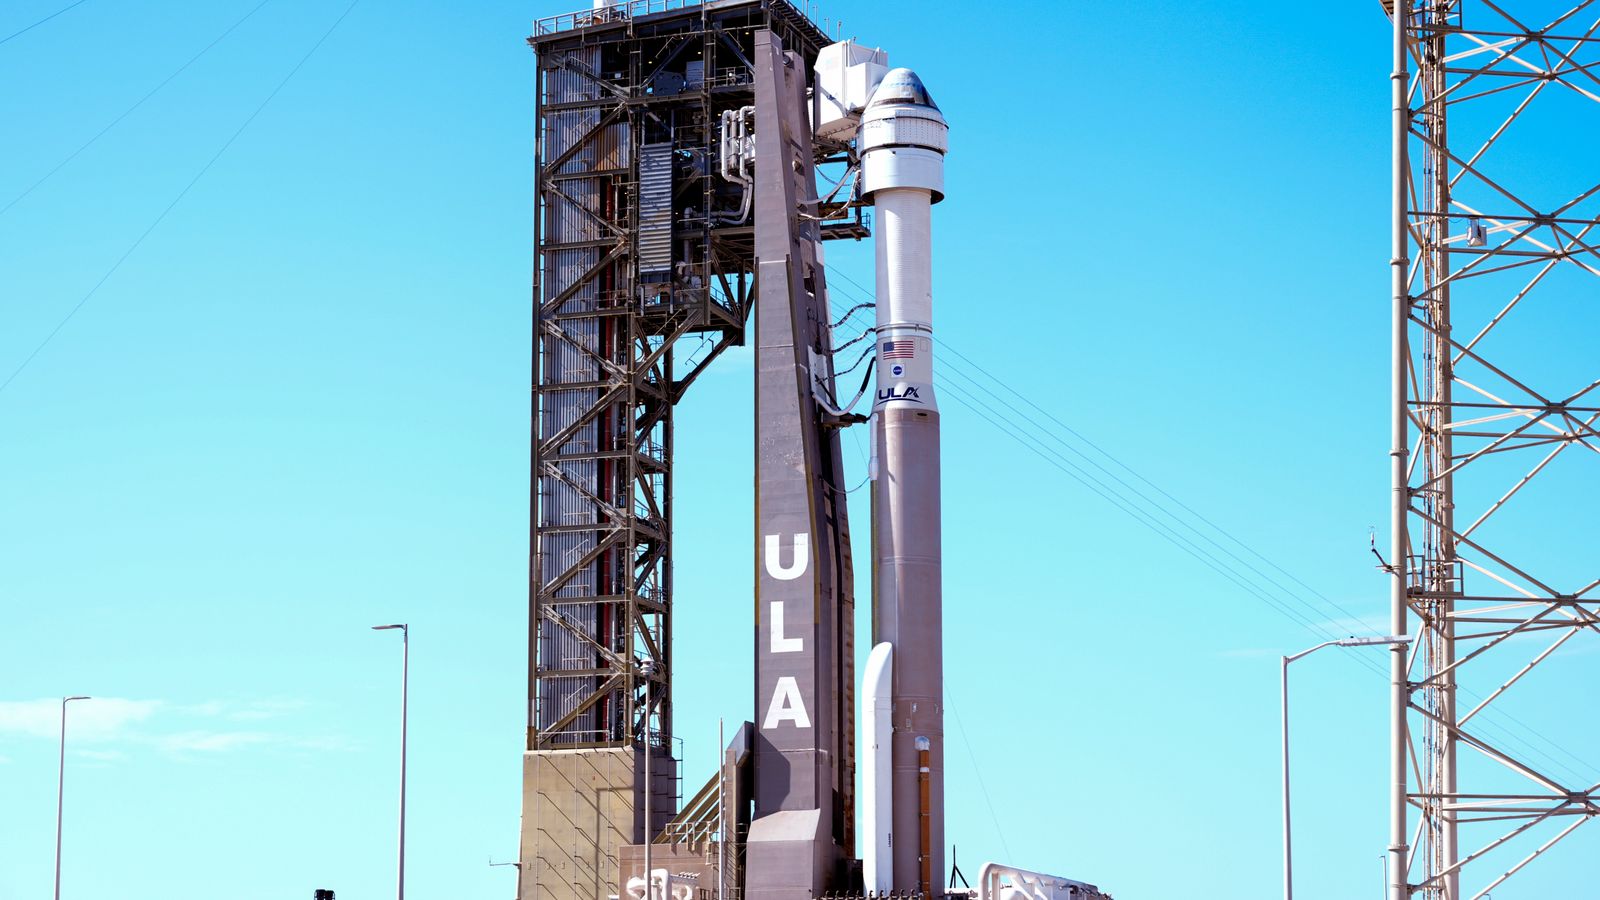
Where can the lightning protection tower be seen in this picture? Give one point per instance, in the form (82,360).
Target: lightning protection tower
(1496,107)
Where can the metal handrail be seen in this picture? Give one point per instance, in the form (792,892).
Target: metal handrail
(633,9)
(616,12)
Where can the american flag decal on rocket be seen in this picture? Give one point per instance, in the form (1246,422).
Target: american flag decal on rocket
(898,350)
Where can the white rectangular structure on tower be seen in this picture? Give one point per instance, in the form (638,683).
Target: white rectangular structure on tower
(847,74)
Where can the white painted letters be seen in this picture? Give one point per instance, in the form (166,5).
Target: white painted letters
(786,705)
(781,644)
(797,566)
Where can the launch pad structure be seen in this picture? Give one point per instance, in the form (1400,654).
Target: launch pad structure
(634,254)
(646,234)
(1494,412)
(678,142)
(677,175)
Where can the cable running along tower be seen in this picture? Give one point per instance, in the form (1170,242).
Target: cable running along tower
(1496,395)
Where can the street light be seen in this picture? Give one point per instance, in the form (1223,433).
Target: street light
(405,666)
(61,786)
(648,670)
(1395,640)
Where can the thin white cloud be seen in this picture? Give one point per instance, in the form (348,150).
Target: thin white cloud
(212,741)
(1374,623)
(257,710)
(171,728)
(1578,647)
(330,742)
(1249,653)
(88,720)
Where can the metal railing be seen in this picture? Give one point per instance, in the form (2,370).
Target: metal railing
(633,9)
(616,12)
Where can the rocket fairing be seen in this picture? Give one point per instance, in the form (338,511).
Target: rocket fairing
(902,143)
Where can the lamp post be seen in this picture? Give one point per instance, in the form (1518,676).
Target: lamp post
(1391,640)
(61,787)
(518,865)
(648,670)
(722,814)
(405,667)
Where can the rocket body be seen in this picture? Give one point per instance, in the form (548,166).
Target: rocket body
(903,144)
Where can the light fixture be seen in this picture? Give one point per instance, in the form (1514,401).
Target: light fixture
(1476,235)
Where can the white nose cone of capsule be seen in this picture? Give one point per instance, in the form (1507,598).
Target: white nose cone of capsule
(903,137)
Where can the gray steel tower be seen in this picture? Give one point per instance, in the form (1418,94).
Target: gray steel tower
(1494,407)
(639,243)
(802,833)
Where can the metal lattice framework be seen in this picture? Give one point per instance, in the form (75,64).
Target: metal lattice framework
(1495,406)
(636,251)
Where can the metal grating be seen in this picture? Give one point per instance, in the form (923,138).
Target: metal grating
(655,212)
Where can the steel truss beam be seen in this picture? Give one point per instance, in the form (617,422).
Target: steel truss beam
(1483,263)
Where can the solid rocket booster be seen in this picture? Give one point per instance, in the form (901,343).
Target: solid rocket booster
(903,141)
(877,770)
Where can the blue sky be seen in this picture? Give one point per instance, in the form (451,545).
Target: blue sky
(299,408)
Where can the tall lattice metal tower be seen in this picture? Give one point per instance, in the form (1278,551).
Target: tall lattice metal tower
(644,237)
(1496,395)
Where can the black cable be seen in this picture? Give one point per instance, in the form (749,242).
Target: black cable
(1236,578)
(178,199)
(1219,529)
(1316,628)
(956,370)
(864,354)
(129,111)
(855,340)
(977,772)
(1155,505)
(1365,661)
(42,21)
(1143,517)
(865,377)
(852,311)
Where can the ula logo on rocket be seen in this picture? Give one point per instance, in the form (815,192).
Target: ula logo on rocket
(899,392)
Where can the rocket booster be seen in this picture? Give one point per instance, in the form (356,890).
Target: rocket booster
(902,143)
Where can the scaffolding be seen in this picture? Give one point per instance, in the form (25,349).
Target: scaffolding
(636,250)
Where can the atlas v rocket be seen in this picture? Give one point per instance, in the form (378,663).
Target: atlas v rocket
(902,145)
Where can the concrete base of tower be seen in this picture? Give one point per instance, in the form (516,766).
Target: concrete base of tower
(579,811)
